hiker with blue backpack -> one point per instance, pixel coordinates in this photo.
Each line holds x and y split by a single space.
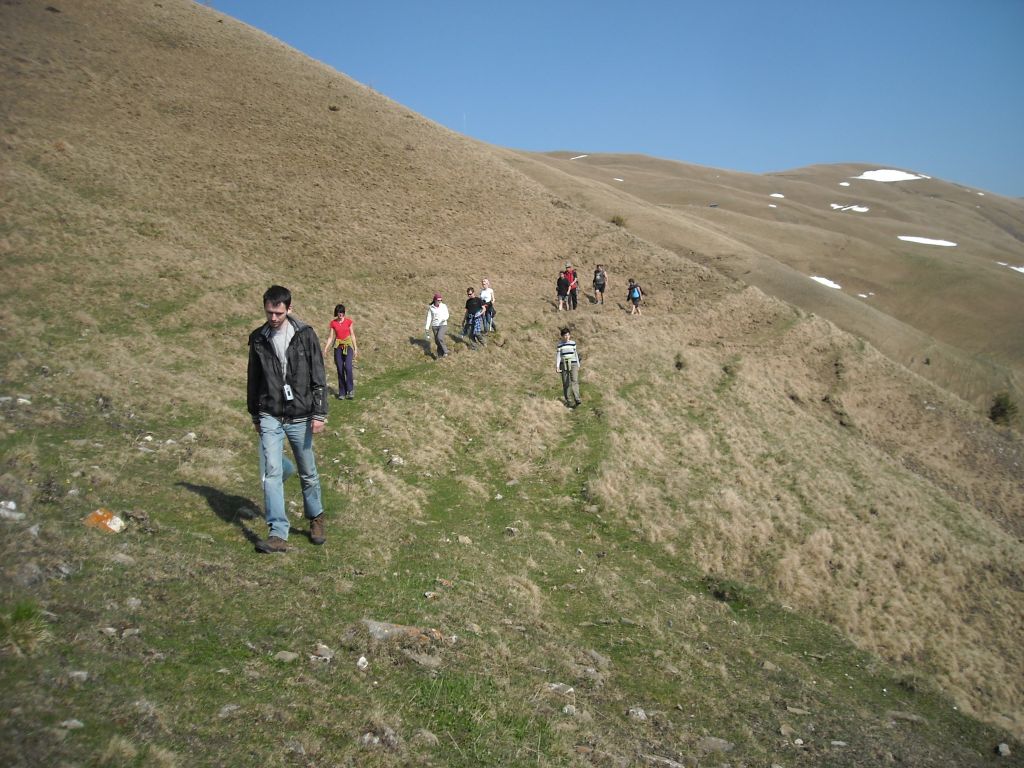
634 294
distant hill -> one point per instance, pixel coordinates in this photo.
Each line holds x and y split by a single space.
949 312
759 535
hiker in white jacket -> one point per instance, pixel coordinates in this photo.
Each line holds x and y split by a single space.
437 322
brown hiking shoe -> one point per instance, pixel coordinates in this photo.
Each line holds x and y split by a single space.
272 545
316 529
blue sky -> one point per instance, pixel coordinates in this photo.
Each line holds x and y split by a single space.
934 86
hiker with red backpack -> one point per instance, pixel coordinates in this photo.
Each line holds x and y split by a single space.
574 285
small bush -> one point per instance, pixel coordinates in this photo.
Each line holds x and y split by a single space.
1003 409
618 221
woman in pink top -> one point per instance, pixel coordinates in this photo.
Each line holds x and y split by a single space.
342 337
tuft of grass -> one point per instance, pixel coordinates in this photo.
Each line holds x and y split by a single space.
23 631
1003 409
618 220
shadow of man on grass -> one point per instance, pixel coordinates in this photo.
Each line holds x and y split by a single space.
230 508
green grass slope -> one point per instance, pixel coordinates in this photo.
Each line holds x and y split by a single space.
759 542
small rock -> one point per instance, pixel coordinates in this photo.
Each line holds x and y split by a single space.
72 725
569 710
561 688
474 628
426 738
133 603
498 497
431 595
227 710
908 717
286 656
369 739
122 559
838 743
362 664
24 401
797 711
786 731
78 676
397 461
427 660
637 713
9 514
661 762
770 667
714 744
511 531
130 632
465 540
190 437
798 742
603 662
109 631
322 652
1003 750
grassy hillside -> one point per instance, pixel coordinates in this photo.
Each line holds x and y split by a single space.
951 314
759 542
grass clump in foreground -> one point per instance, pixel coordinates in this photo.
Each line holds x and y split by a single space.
23 631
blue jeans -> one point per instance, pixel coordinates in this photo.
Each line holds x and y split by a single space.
274 466
343 362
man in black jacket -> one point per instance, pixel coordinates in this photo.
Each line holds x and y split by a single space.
287 399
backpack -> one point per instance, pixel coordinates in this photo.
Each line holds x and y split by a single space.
634 292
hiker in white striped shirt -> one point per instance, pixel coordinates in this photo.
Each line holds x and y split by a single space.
567 363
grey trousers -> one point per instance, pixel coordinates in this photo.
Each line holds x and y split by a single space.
571 381
439 332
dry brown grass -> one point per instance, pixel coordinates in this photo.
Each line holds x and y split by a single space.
156 180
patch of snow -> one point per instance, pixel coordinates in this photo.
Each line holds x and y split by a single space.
844 183
927 241
617 179
579 157
826 282
1018 269
772 205
1002 264
862 295
777 194
981 194
888 174
854 208
835 206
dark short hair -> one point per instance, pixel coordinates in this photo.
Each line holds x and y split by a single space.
277 294
339 308
564 331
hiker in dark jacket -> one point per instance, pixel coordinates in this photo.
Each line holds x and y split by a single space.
287 399
562 290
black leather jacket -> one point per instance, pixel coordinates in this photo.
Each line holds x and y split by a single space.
305 375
